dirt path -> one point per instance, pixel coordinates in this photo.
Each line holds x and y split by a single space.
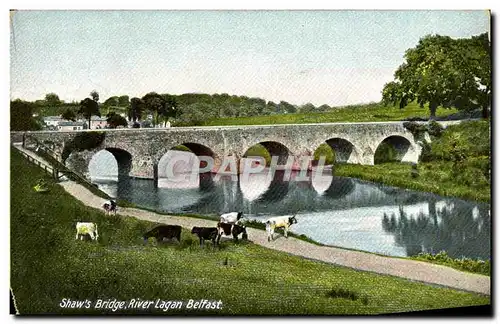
404 268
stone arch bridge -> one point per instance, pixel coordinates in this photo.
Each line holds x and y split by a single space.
138 151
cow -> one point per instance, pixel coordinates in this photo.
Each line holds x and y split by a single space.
162 232
230 218
86 228
277 222
228 229
205 233
110 207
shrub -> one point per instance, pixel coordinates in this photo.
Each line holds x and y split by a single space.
385 153
476 266
435 129
326 151
83 141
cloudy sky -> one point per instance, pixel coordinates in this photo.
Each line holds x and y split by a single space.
322 57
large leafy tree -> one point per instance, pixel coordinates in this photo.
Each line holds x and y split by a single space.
123 101
21 116
69 114
161 106
441 71
52 99
135 109
114 120
90 107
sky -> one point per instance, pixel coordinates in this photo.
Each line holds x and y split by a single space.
322 57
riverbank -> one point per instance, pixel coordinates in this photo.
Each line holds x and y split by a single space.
433 177
49 264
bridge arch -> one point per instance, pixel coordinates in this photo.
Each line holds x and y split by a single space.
395 148
273 148
344 150
110 162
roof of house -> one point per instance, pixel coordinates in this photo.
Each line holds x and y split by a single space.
52 118
97 118
70 123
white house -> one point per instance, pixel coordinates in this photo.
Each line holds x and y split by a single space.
70 126
98 122
52 120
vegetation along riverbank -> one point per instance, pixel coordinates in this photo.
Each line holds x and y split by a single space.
456 163
49 265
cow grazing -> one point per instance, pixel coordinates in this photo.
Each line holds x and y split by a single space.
85 228
162 232
228 229
205 233
231 218
277 222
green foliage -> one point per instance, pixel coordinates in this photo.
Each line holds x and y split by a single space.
435 129
69 114
162 107
259 150
114 120
464 264
354 113
83 141
52 99
446 72
326 151
385 153
48 263
135 109
21 116
89 108
434 176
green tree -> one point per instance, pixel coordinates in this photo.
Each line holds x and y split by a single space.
441 71
52 99
21 116
285 107
114 120
69 114
111 101
162 107
135 109
89 108
95 95
123 101
308 107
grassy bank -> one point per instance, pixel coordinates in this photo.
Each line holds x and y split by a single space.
48 264
442 258
433 177
361 113
456 163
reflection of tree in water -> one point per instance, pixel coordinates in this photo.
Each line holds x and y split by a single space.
455 229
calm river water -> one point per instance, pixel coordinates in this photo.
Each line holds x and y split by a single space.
336 211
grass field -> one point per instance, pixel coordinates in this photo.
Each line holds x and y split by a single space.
361 113
434 177
48 264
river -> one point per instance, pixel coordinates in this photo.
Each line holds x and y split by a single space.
337 211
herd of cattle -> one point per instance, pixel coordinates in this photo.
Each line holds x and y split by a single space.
228 224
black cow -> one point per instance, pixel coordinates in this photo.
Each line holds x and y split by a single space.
161 232
228 229
205 233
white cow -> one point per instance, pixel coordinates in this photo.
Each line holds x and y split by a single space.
83 228
280 221
231 218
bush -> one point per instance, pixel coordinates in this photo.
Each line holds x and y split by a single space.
435 129
385 153
476 266
83 141
326 151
